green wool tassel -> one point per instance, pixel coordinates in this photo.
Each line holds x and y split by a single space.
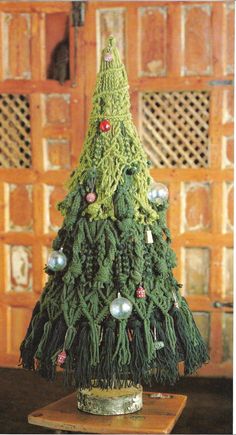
122 351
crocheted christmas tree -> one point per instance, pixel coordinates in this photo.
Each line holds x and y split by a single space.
111 313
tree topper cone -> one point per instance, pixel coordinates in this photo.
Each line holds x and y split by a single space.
111 311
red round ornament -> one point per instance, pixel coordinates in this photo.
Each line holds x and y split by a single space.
140 292
91 197
61 357
105 126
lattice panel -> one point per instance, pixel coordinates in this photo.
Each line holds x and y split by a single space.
15 131
175 128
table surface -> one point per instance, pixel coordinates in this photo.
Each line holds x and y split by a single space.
157 416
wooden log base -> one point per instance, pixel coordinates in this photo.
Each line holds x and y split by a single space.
110 402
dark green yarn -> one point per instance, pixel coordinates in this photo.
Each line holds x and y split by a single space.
114 258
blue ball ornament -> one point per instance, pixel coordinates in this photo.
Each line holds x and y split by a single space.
121 308
57 261
158 193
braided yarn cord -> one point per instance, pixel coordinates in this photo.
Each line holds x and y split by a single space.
106 250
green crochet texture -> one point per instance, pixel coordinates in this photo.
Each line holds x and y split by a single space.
107 253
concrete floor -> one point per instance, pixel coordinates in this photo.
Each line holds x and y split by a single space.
208 410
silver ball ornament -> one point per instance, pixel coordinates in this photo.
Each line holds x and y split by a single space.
158 193
57 261
121 308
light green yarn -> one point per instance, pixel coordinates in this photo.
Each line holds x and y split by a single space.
109 153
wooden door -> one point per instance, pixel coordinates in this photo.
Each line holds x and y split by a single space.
179 58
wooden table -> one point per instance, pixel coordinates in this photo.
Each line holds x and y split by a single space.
158 415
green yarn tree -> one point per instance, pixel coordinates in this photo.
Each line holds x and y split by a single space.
115 245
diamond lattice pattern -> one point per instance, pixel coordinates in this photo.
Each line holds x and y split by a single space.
175 128
15 147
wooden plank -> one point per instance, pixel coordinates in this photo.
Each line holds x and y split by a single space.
157 416
90 57
216 272
142 84
199 238
31 177
36 131
38 209
204 303
228 129
10 361
1 46
18 319
217 204
58 131
166 174
78 100
215 134
3 206
229 35
41 86
216 338
26 239
178 83
38 48
200 174
197 40
3 268
132 42
38 6
218 36
110 21
18 34
152 42
38 267
174 211
21 299
215 370
174 26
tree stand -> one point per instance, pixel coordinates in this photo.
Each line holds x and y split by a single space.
114 401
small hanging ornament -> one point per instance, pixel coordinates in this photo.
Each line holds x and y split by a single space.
121 308
61 357
158 345
108 57
91 197
140 292
57 260
148 236
176 302
104 126
158 193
